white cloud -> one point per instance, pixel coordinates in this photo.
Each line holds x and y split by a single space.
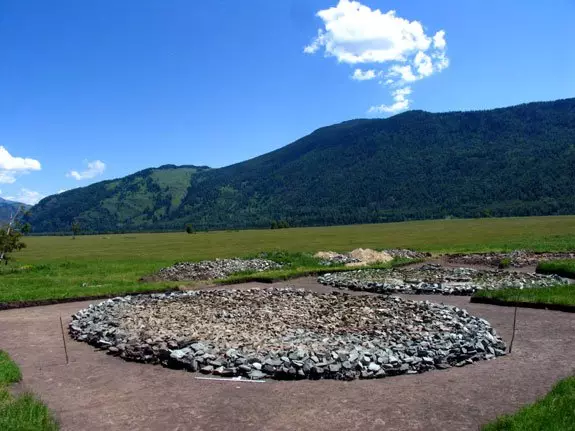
95 168
62 190
439 40
11 167
405 72
400 102
396 48
363 75
27 196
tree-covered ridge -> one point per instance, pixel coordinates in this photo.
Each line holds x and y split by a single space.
9 208
416 165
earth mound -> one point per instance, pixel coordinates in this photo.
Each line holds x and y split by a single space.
433 278
287 333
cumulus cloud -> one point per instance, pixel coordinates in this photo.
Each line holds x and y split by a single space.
400 102
363 75
11 167
27 196
394 47
95 168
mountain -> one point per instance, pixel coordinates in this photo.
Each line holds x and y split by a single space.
511 161
9 208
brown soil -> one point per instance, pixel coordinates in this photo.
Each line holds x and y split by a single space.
99 392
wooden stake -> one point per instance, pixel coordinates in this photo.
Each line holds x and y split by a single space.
64 339
514 323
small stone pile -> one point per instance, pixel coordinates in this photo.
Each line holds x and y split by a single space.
287 333
515 259
213 269
435 279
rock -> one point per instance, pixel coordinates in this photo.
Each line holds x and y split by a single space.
334 368
256 375
207 369
373 367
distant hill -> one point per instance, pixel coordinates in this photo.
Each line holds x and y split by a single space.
8 208
512 161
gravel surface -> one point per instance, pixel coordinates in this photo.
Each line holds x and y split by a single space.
287 333
433 278
212 269
515 259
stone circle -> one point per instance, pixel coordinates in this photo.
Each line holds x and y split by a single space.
287 333
435 279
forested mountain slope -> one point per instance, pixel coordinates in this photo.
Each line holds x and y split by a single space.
9 208
510 161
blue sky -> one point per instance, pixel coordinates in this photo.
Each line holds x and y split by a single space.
97 89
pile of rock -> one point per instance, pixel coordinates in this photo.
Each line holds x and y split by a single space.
366 256
287 333
515 259
435 279
213 269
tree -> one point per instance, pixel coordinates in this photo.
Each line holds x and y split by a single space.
10 239
25 229
189 228
75 229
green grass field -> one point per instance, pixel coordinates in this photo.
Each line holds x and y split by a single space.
564 268
23 412
558 295
62 267
555 412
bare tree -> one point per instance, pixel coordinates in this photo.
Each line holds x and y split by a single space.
10 238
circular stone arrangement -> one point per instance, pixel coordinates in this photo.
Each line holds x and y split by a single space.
287 333
433 278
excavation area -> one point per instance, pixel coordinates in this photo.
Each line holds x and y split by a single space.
99 391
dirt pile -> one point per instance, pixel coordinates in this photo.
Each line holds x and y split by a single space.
366 256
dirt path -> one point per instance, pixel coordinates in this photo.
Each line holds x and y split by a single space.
99 392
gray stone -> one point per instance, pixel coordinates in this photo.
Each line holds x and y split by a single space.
374 367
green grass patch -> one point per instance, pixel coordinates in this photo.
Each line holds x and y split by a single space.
562 294
564 268
24 412
9 371
554 412
97 265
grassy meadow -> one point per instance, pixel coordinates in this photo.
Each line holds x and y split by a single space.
62 267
